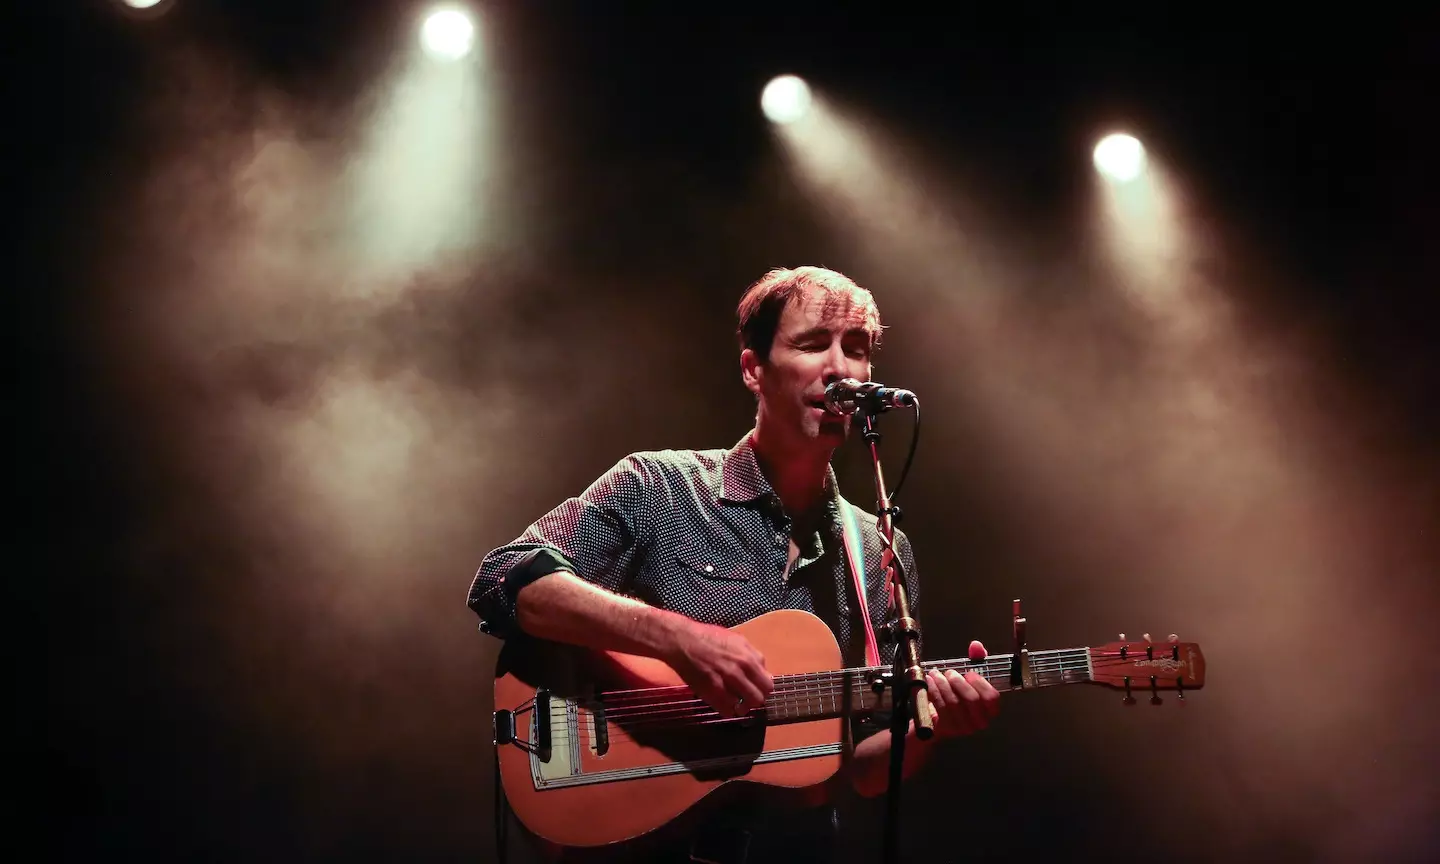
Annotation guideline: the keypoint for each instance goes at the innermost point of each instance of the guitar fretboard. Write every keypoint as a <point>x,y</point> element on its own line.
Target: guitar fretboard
<point>818,695</point>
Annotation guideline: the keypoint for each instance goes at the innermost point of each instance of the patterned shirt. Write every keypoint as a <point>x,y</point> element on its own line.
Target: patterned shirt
<point>701,533</point>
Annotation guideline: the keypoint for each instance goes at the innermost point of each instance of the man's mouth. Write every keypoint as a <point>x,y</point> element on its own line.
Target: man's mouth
<point>819,405</point>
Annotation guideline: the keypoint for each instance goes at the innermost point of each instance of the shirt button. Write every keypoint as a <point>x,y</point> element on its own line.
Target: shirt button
<point>709,568</point>
<point>779,538</point>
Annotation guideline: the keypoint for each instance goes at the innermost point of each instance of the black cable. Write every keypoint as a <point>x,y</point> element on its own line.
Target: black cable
<point>909,459</point>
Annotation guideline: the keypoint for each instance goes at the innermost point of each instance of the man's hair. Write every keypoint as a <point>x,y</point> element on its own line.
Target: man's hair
<point>764,302</point>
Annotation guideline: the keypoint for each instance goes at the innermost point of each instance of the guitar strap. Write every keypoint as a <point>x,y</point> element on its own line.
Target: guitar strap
<point>855,554</point>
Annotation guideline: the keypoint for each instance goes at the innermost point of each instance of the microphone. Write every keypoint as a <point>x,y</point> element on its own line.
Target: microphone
<point>848,396</point>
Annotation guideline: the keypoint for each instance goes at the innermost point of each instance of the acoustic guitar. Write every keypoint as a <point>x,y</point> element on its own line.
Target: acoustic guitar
<point>588,759</point>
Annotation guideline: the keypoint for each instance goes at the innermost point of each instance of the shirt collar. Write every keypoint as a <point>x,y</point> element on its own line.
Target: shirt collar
<point>742,481</point>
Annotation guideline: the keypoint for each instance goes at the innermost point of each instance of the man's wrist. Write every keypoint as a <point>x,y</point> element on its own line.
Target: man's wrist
<point>661,631</point>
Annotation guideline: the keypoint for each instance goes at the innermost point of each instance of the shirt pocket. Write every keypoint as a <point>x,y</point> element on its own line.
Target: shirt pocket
<point>706,566</point>
<point>707,585</point>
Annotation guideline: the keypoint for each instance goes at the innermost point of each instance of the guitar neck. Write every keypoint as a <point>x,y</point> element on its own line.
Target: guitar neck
<point>819,695</point>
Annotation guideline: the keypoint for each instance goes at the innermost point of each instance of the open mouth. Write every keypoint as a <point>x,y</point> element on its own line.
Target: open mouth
<point>819,405</point>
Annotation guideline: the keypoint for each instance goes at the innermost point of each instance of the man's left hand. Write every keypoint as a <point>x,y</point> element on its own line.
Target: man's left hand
<point>960,704</point>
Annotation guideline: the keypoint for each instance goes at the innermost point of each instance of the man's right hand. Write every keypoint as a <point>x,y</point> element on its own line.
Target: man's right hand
<point>722,667</point>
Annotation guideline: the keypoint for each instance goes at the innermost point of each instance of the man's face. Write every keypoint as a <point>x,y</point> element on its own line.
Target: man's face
<point>820,340</point>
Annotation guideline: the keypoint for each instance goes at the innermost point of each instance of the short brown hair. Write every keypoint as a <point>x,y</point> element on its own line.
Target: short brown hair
<point>764,302</point>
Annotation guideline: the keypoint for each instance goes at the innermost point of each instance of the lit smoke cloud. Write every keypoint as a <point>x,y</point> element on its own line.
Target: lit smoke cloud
<point>342,401</point>
<point>322,407</point>
<point>1173,464</point>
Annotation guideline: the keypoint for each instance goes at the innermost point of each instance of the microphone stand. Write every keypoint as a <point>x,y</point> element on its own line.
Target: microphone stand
<point>906,681</point>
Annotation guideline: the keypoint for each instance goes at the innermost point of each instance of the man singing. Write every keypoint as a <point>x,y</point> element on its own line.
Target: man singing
<point>668,549</point>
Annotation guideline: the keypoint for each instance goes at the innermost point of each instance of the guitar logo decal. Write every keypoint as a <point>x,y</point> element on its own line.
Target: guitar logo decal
<point>1164,664</point>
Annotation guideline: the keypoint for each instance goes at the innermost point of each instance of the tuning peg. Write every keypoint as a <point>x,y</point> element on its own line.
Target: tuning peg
<point>1174,638</point>
<point>1154,692</point>
<point>1147,637</point>
<point>1122,637</point>
<point>1149,648</point>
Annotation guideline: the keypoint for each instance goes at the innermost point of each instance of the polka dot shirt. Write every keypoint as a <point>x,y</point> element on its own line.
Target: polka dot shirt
<point>701,533</point>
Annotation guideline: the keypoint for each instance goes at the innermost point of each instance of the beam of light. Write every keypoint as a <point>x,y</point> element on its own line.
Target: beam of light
<point>1120,157</point>
<point>1180,462</point>
<point>864,184</point>
<point>785,99</point>
<point>352,462</point>
<point>1245,496</point>
<point>419,179</point>
<point>447,34</point>
<point>1152,250</point>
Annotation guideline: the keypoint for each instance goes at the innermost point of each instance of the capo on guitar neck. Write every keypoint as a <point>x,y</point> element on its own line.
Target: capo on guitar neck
<point>1021,675</point>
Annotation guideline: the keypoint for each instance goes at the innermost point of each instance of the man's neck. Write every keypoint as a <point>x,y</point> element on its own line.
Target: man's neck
<point>797,474</point>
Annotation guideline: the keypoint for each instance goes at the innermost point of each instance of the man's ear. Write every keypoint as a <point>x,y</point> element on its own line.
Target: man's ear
<point>751,370</point>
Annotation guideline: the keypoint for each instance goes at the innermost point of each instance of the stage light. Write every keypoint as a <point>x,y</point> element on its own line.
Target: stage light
<point>144,8</point>
<point>1120,157</point>
<point>447,34</point>
<point>786,99</point>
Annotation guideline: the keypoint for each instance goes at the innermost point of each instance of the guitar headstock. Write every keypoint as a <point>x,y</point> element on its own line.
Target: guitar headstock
<point>1148,666</point>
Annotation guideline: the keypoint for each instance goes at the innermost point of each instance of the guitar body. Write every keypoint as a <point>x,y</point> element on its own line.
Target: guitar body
<point>602,754</point>
<point>614,766</point>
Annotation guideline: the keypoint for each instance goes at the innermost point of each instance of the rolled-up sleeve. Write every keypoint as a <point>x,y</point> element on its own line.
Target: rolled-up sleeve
<point>596,536</point>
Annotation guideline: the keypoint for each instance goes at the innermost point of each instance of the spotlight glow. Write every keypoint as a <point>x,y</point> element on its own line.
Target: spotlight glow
<point>1120,157</point>
<point>786,99</point>
<point>447,34</point>
<point>143,10</point>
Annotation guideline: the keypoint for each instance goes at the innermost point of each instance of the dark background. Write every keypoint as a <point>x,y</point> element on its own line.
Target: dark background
<point>235,671</point>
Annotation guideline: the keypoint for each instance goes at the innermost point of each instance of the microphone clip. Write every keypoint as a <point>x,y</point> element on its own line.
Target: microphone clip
<point>849,396</point>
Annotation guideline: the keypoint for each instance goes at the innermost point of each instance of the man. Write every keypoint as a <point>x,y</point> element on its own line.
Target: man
<point>668,549</point>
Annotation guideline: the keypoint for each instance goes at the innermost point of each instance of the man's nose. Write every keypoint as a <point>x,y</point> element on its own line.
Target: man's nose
<point>839,365</point>
<point>836,367</point>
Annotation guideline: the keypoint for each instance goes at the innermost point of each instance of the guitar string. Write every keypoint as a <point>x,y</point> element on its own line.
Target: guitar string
<point>790,696</point>
<point>821,685</point>
<point>677,711</point>
<point>818,683</point>
<point>986,667</point>
<point>863,670</point>
<point>622,739</point>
